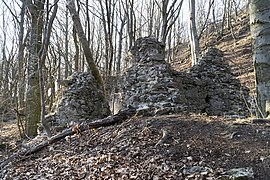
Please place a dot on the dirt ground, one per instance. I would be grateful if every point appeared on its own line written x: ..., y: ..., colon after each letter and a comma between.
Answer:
x: 9, y: 136
x: 180, y: 146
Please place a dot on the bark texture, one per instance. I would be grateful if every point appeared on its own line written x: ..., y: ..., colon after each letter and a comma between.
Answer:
x: 260, y: 32
x: 193, y: 35
x: 33, y: 108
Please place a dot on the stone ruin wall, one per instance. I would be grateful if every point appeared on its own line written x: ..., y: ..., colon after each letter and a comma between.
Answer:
x: 150, y: 85
x: 210, y: 87
x: 81, y: 98
x: 225, y: 94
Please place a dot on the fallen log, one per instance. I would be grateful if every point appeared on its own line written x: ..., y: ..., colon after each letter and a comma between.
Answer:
x: 260, y: 121
x: 108, y: 121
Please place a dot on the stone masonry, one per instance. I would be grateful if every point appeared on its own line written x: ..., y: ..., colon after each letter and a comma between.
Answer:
x: 151, y: 85
x: 81, y: 98
x: 225, y: 95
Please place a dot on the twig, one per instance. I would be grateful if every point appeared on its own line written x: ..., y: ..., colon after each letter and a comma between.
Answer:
x: 19, y: 123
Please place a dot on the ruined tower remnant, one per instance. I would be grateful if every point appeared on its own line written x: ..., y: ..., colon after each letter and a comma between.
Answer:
x: 210, y: 87
x: 150, y: 83
x: 81, y: 98
x: 225, y: 95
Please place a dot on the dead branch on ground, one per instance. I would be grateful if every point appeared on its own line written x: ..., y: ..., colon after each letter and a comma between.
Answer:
x: 111, y: 120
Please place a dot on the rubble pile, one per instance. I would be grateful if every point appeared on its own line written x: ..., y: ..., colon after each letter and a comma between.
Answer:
x: 81, y: 98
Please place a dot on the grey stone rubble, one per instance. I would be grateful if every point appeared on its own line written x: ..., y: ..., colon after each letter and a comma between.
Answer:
x: 239, y: 173
x: 81, y: 98
x: 151, y: 85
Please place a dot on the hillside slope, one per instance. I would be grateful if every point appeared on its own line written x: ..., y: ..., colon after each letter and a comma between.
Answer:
x: 236, y: 46
x: 164, y: 147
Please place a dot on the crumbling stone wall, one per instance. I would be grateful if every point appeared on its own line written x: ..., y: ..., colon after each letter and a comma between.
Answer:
x: 225, y: 95
x: 81, y: 98
x: 209, y: 87
x: 150, y: 83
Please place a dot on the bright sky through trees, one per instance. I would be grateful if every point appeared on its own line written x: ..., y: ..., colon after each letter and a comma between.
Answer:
x: 8, y: 24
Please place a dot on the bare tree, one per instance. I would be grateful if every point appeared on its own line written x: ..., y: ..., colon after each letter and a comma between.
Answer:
x: 211, y: 3
x: 75, y: 39
x: 42, y: 56
x: 20, y: 71
x: 68, y: 70
x: 107, y: 9
x: 194, y: 42
x: 20, y: 57
x: 123, y: 21
x: 33, y: 107
x: 5, y: 68
x: 84, y: 42
x: 129, y: 8
x: 150, y: 15
x: 169, y: 16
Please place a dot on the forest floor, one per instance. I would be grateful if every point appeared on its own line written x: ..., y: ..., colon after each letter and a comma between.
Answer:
x: 178, y: 146
x: 9, y: 135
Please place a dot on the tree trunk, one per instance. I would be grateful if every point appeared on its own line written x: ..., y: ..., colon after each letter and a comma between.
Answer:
x: 67, y: 71
x: 41, y: 62
x: 5, y: 68
x: 33, y: 107
x: 194, y: 42
x: 84, y: 42
x: 150, y: 15
x: 223, y: 18
x: 131, y: 22
x: 211, y: 2
x: 77, y: 48
x: 260, y: 31
x: 21, y: 59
